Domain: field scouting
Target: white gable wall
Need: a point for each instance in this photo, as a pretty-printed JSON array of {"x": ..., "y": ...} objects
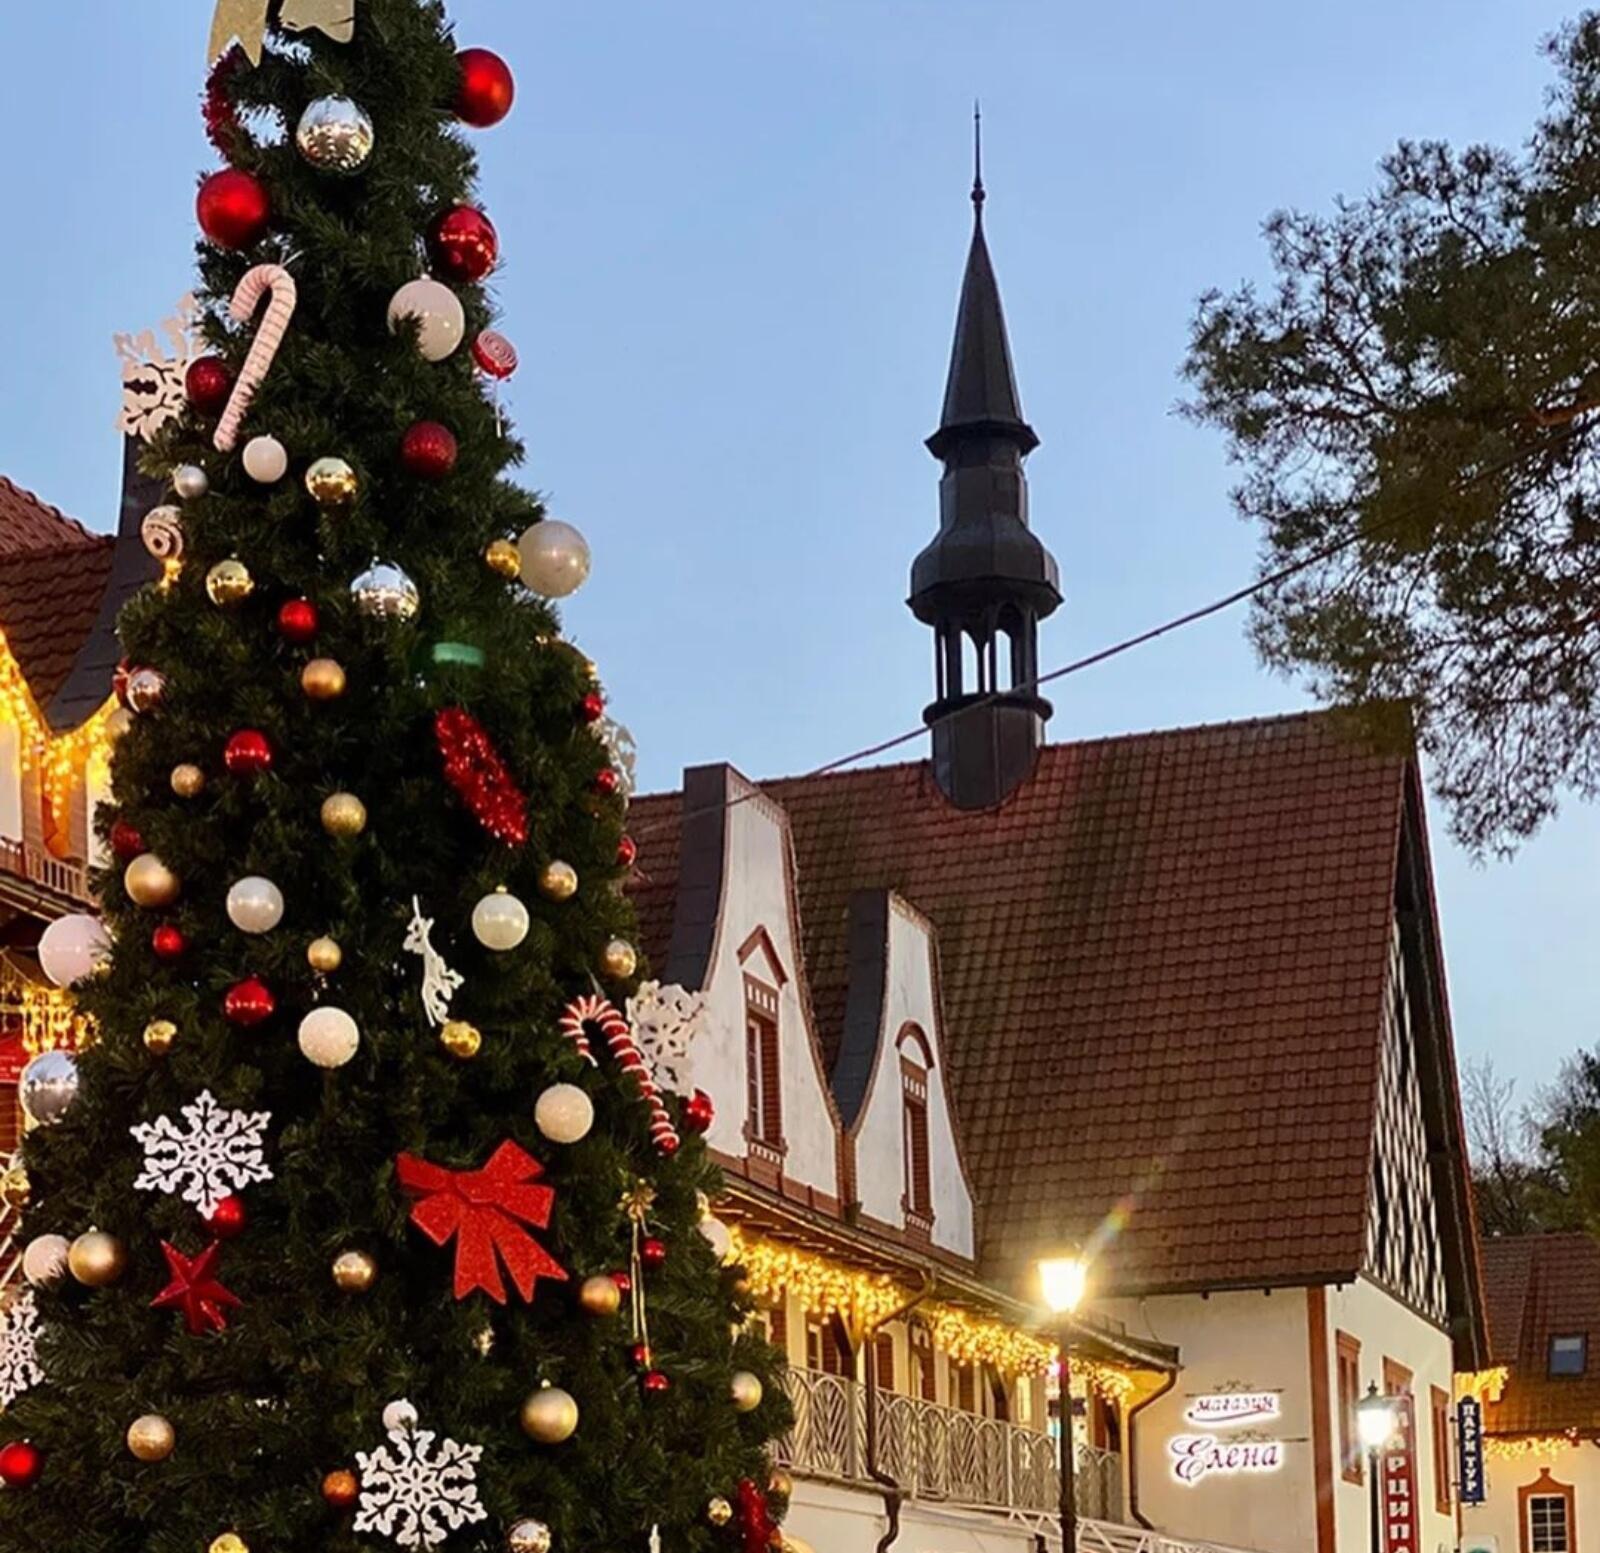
[{"x": 910, "y": 998}]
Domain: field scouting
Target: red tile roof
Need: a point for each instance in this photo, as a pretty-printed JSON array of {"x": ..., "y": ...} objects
[
  {"x": 1539, "y": 1287},
  {"x": 1163, "y": 964},
  {"x": 27, "y": 524}
]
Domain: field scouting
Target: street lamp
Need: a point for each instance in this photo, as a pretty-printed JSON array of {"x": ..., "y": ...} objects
[
  {"x": 1062, "y": 1279},
  {"x": 1376, "y": 1421}
]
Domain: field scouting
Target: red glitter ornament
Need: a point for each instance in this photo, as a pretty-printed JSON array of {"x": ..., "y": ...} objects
[
  {"x": 428, "y": 451},
  {"x": 298, "y": 621},
  {"x": 627, "y": 852},
  {"x": 656, "y": 1384},
  {"x": 699, "y": 1112},
  {"x": 606, "y": 781},
  {"x": 474, "y": 769},
  {"x": 126, "y": 842},
  {"x": 487, "y": 88},
  {"x": 222, "y": 123},
  {"x": 21, "y": 1464},
  {"x": 593, "y": 707},
  {"x": 229, "y": 1220},
  {"x": 624, "y": 1282},
  {"x": 249, "y": 1003},
  {"x": 653, "y": 1253},
  {"x": 167, "y": 943},
  {"x": 464, "y": 244},
  {"x": 756, "y": 1528},
  {"x": 247, "y": 753},
  {"x": 233, "y": 208},
  {"x": 195, "y": 1291},
  {"x": 208, "y": 384}
]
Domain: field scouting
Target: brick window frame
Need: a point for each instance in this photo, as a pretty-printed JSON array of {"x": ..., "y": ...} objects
[
  {"x": 1537, "y": 1516},
  {"x": 1352, "y": 1462},
  {"x": 763, "y": 1125},
  {"x": 1439, "y": 1410}
]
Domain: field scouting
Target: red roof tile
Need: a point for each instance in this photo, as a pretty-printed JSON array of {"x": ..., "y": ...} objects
[
  {"x": 1539, "y": 1287},
  {"x": 1163, "y": 965},
  {"x": 28, "y": 524}
]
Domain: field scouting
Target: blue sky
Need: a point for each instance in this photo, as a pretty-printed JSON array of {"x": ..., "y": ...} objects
[{"x": 734, "y": 235}]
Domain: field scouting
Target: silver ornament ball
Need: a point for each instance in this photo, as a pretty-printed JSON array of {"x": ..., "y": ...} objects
[
  {"x": 335, "y": 135},
  {"x": 190, "y": 482},
  {"x": 529, "y": 1537},
  {"x": 384, "y": 592},
  {"x": 255, "y": 905},
  {"x": 48, "y": 1087},
  {"x": 146, "y": 687},
  {"x": 555, "y": 559}
]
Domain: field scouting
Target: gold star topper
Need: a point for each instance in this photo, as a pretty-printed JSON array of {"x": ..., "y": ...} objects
[
  {"x": 246, "y": 20},
  {"x": 638, "y": 1200}
]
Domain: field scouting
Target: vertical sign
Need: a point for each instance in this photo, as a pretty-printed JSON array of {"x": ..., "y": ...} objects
[
  {"x": 1469, "y": 1450},
  {"x": 1401, "y": 1530}
]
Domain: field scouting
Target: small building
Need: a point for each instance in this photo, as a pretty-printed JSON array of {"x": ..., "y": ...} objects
[{"x": 1541, "y": 1399}]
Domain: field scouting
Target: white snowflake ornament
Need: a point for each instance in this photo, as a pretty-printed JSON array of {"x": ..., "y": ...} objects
[
  {"x": 623, "y": 752},
  {"x": 19, "y": 1349},
  {"x": 417, "y": 1489},
  {"x": 665, "y": 1022},
  {"x": 219, "y": 1154}
]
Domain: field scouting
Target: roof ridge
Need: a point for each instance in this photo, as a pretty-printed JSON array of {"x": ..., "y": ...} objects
[{"x": 77, "y": 535}]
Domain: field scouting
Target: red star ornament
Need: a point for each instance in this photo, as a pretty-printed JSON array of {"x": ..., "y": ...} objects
[{"x": 195, "y": 1291}]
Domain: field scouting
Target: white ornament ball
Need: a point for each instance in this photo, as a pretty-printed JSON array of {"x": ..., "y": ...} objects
[
  {"x": 399, "y": 1417},
  {"x": 438, "y": 310},
  {"x": 564, "y": 1114},
  {"x": 266, "y": 460},
  {"x": 555, "y": 559},
  {"x": 500, "y": 921},
  {"x": 190, "y": 482},
  {"x": 74, "y": 947},
  {"x": 44, "y": 1263},
  {"x": 329, "y": 1037},
  {"x": 746, "y": 1391},
  {"x": 719, "y": 1237},
  {"x": 255, "y": 905}
]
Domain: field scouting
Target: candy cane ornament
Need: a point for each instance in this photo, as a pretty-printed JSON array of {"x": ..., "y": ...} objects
[
  {"x": 599, "y": 1014},
  {"x": 257, "y": 283}
]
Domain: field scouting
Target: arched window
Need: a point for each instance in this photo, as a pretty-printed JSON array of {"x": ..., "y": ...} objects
[{"x": 915, "y": 1061}]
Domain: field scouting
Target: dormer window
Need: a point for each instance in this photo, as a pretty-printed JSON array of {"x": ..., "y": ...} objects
[
  {"x": 1569, "y": 1354},
  {"x": 917, "y": 1199},
  {"x": 763, "y": 1072}
]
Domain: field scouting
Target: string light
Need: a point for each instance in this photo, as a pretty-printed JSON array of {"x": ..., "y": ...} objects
[
  {"x": 57, "y": 758},
  {"x": 48, "y": 1018},
  {"x": 1523, "y": 1446},
  {"x": 1484, "y": 1385},
  {"x": 975, "y": 1340}
]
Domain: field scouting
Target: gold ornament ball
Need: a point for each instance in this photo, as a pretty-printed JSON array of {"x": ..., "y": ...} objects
[
  {"x": 324, "y": 956},
  {"x": 620, "y": 959},
  {"x": 151, "y": 1438},
  {"x": 344, "y": 815},
  {"x": 15, "y": 1189},
  {"x": 97, "y": 1260},
  {"x": 149, "y": 882},
  {"x": 780, "y": 1485},
  {"x": 550, "y": 1416},
  {"x": 504, "y": 557},
  {"x": 719, "y": 1512},
  {"x": 600, "y": 1296},
  {"x": 746, "y": 1391},
  {"x": 332, "y": 483},
  {"x": 230, "y": 1542},
  {"x": 188, "y": 781},
  {"x": 529, "y": 1537},
  {"x": 323, "y": 680},
  {"x": 229, "y": 582},
  {"x": 355, "y": 1272},
  {"x": 159, "y": 1035},
  {"x": 558, "y": 881},
  {"x": 461, "y": 1040}
]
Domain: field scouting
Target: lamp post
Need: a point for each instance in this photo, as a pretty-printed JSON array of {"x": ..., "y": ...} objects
[
  {"x": 1375, "y": 1423},
  {"x": 1062, "y": 1280}
]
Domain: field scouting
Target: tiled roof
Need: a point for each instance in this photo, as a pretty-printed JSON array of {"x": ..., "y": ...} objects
[
  {"x": 1162, "y": 962},
  {"x": 1539, "y": 1287},
  {"x": 28, "y": 524}
]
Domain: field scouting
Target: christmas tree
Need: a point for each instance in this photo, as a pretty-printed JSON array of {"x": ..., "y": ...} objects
[{"x": 373, "y": 1217}]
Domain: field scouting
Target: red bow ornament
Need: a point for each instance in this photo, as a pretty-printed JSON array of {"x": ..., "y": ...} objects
[{"x": 483, "y": 1211}]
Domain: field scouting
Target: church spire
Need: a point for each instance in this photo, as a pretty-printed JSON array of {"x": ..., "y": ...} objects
[{"x": 986, "y": 580}]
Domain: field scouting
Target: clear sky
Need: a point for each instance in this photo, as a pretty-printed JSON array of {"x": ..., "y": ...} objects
[{"x": 734, "y": 235}]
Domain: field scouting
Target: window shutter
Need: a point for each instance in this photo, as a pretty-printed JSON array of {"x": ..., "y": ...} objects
[
  {"x": 921, "y": 1178},
  {"x": 752, "y": 1074},
  {"x": 966, "y": 1390},
  {"x": 883, "y": 1360},
  {"x": 771, "y": 1095},
  {"x": 832, "y": 1354}
]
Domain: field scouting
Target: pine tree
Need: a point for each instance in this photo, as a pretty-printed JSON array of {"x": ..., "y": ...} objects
[{"x": 309, "y": 1271}]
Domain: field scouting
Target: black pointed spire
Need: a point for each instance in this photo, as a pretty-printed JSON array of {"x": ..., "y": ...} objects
[{"x": 986, "y": 579}]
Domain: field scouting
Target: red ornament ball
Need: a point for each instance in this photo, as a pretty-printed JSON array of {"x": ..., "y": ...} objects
[
  {"x": 247, "y": 753},
  {"x": 341, "y": 1490},
  {"x": 594, "y": 707},
  {"x": 464, "y": 244},
  {"x": 623, "y": 1282},
  {"x": 298, "y": 621},
  {"x": 428, "y": 451},
  {"x": 656, "y": 1384},
  {"x": 606, "y": 781},
  {"x": 167, "y": 943},
  {"x": 641, "y": 1356},
  {"x": 21, "y": 1464},
  {"x": 249, "y": 1003},
  {"x": 653, "y": 1253},
  {"x": 669, "y": 1145},
  {"x": 208, "y": 384},
  {"x": 487, "y": 88},
  {"x": 233, "y": 208},
  {"x": 699, "y": 1112},
  {"x": 126, "y": 842},
  {"x": 627, "y": 852},
  {"x": 230, "y": 1219}
]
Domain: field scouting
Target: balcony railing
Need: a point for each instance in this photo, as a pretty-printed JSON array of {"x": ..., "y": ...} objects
[
  {"x": 61, "y": 876},
  {"x": 939, "y": 1453}
]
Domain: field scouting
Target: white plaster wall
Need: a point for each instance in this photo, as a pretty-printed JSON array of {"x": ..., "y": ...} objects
[
  {"x": 1386, "y": 1329},
  {"x": 1577, "y": 1466},
  {"x": 756, "y": 895},
  {"x": 1233, "y": 1340},
  {"x": 10, "y": 780},
  {"x": 880, "y": 1142},
  {"x": 834, "y": 1519}
]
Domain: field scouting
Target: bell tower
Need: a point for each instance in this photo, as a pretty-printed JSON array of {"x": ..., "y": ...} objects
[{"x": 986, "y": 580}]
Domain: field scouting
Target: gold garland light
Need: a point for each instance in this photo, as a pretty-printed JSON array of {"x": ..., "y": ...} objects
[
  {"x": 972, "y": 1339},
  {"x": 1483, "y": 1385},
  {"x": 50, "y": 1020},
  {"x": 58, "y": 758},
  {"x": 1520, "y": 1447}
]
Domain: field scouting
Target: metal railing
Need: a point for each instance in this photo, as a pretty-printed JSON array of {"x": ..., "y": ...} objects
[
  {"x": 1100, "y": 1537},
  {"x": 61, "y": 876},
  {"x": 939, "y": 1453}
]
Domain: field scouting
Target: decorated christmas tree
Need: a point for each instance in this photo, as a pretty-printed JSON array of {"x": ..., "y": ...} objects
[{"x": 375, "y": 1215}]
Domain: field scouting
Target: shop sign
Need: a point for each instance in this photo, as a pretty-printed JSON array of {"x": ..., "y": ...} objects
[
  {"x": 1469, "y": 1450},
  {"x": 1402, "y": 1530},
  {"x": 1232, "y": 1407},
  {"x": 1198, "y": 1456}
]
